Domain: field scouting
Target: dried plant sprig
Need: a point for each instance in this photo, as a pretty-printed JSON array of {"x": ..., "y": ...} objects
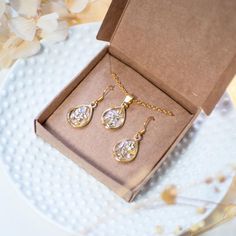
[{"x": 170, "y": 196}]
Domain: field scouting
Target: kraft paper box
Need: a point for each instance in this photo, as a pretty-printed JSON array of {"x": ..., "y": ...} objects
[{"x": 180, "y": 55}]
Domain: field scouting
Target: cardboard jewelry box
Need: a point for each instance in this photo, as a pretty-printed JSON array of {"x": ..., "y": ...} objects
[{"x": 179, "y": 55}]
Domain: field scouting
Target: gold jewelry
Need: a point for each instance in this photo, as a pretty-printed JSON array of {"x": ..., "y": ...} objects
[
  {"x": 114, "y": 117},
  {"x": 81, "y": 115},
  {"x": 126, "y": 150}
]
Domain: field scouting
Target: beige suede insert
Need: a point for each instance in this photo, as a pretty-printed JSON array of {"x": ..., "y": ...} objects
[{"x": 94, "y": 143}]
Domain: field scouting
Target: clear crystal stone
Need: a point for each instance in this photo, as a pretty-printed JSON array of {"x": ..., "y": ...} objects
[
  {"x": 125, "y": 150},
  {"x": 80, "y": 116},
  {"x": 81, "y": 113},
  {"x": 113, "y": 117}
]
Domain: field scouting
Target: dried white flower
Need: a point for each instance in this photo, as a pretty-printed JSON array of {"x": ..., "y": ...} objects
[
  {"x": 23, "y": 28},
  {"x": 48, "y": 23},
  {"x": 4, "y": 29},
  {"x": 76, "y": 6},
  {"x": 15, "y": 48},
  {"x": 27, "y": 8},
  {"x": 58, "y": 35},
  {"x": 23, "y": 23},
  {"x": 56, "y": 6},
  {"x": 2, "y": 8},
  {"x": 26, "y": 49}
]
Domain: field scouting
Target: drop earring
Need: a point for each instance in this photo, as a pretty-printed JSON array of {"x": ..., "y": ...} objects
[
  {"x": 81, "y": 115},
  {"x": 126, "y": 150}
]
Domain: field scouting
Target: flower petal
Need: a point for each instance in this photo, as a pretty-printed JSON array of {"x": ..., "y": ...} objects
[
  {"x": 4, "y": 29},
  {"x": 23, "y": 28},
  {"x": 76, "y": 6},
  {"x": 2, "y": 7},
  {"x": 26, "y": 8},
  {"x": 6, "y": 59},
  {"x": 95, "y": 11},
  {"x": 27, "y": 49},
  {"x": 48, "y": 22},
  {"x": 12, "y": 42},
  {"x": 56, "y": 6},
  {"x": 59, "y": 34}
]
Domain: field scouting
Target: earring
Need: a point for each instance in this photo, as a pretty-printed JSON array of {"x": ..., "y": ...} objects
[
  {"x": 81, "y": 115},
  {"x": 126, "y": 150}
]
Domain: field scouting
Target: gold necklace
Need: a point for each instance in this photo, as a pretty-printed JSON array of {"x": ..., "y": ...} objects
[
  {"x": 138, "y": 101},
  {"x": 114, "y": 117}
]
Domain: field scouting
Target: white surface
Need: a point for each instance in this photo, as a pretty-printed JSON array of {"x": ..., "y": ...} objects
[
  {"x": 17, "y": 218},
  {"x": 3, "y": 75},
  {"x": 227, "y": 229},
  {"x": 65, "y": 192}
]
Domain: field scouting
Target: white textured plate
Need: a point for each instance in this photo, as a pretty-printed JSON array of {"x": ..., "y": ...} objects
[{"x": 66, "y": 193}]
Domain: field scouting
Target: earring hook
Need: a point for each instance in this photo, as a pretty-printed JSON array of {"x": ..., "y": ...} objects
[
  {"x": 140, "y": 134},
  {"x": 105, "y": 92},
  {"x": 146, "y": 123}
]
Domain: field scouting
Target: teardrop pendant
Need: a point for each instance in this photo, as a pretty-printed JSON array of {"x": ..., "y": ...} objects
[
  {"x": 114, "y": 118},
  {"x": 126, "y": 150},
  {"x": 80, "y": 116}
]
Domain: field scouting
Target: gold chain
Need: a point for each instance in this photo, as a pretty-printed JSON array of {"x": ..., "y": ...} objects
[{"x": 115, "y": 77}]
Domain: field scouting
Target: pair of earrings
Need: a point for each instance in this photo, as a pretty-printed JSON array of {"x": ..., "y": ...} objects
[{"x": 125, "y": 150}]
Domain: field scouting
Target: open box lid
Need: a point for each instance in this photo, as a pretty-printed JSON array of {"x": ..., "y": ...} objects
[{"x": 187, "y": 48}]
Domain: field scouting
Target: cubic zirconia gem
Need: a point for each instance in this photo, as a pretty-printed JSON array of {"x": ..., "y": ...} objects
[
  {"x": 114, "y": 117},
  {"x": 126, "y": 150},
  {"x": 80, "y": 116}
]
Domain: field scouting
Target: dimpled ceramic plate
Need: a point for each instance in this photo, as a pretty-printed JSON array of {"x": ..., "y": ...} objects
[{"x": 69, "y": 196}]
